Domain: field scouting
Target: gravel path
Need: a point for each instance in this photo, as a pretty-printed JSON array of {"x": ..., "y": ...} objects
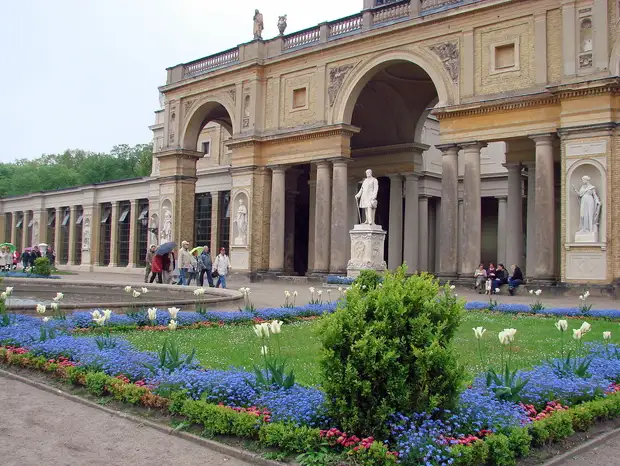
[
  {"x": 605, "y": 454},
  {"x": 40, "y": 428}
]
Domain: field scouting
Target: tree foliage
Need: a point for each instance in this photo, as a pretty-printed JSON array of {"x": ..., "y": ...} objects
[{"x": 74, "y": 168}]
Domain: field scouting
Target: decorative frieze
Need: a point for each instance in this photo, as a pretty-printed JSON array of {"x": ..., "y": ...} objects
[
  {"x": 336, "y": 78},
  {"x": 448, "y": 53}
]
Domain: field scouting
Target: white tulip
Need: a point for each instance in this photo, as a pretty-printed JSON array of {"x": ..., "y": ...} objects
[
  {"x": 40, "y": 308},
  {"x": 586, "y": 294},
  {"x": 452, "y": 287},
  {"x": 266, "y": 329},
  {"x": 54, "y": 306},
  {"x": 606, "y": 335},
  {"x": 295, "y": 293},
  {"x": 173, "y": 312},
  {"x": 9, "y": 290},
  {"x": 95, "y": 314},
  {"x": 100, "y": 320},
  {"x": 503, "y": 338},
  {"x": 531, "y": 291},
  {"x": 58, "y": 297},
  {"x": 538, "y": 292},
  {"x": 3, "y": 295},
  {"x": 510, "y": 333},
  {"x": 136, "y": 294},
  {"x": 258, "y": 330},
  {"x": 577, "y": 334},
  {"x": 311, "y": 289},
  {"x": 287, "y": 294},
  {"x": 128, "y": 289},
  {"x": 264, "y": 350},
  {"x": 320, "y": 292},
  {"x": 561, "y": 325},
  {"x": 581, "y": 297},
  {"x": 145, "y": 290},
  {"x": 247, "y": 290},
  {"x": 46, "y": 319},
  {"x": 479, "y": 331},
  {"x": 497, "y": 290},
  {"x": 276, "y": 326},
  {"x": 152, "y": 313},
  {"x": 340, "y": 289},
  {"x": 585, "y": 328},
  {"x": 172, "y": 325},
  {"x": 107, "y": 313},
  {"x": 199, "y": 291}
]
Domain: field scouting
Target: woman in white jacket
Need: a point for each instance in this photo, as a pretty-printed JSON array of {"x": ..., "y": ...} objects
[
  {"x": 6, "y": 259},
  {"x": 222, "y": 267}
]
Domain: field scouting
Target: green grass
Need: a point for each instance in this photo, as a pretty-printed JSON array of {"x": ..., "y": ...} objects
[{"x": 220, "y": 348}]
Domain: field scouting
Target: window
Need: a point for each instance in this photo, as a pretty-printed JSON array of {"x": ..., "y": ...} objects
[
  {"x": 105, "y": 235},
  {"x": 63, "y": 254},
  {"x": 65, "y": 220},
  {"x": 224, "y": 221},
  {"x": 30, "y": 223},
  {"x": 19, "y": 222},
  {"x": 124, "y": 225},
  {"x": 203, "y": 208},
  {"x": 8, "y": 221},
  {"x": 123, "y": 216},
  {"x": 51, "y": 215},
  {"x": 300, "y": 98},
  {"x": 51, "y": 228},
  {"x": 504, "y": 57},
  {"x": 143, "y": 231},
  {"x": 206, "y": 146},
  {"x": 77, "y": 252}
]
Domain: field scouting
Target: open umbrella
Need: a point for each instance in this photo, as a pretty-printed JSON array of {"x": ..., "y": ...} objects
[
  {"x": 197, "y": 248},
  {"x": 10, "y": 246},
  {"x": 165, "y": 248}
]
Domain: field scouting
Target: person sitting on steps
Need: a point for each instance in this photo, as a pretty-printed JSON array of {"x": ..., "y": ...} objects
[
  {"x": 515, "y": 280},
  {"x": 501, "y": 277},
  {"x": 480, "y": 275}
]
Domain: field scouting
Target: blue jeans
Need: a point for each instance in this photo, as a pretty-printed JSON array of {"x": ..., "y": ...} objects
[
  {"x": 514, "y": 283},
  {"x": 221, "y": 280},
  {"x": 183, "y": 276},
  {"x": 496, "y": 284}
]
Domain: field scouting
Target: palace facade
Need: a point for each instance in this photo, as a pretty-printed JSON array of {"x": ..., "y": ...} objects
[{"x": 477, "y": 117}]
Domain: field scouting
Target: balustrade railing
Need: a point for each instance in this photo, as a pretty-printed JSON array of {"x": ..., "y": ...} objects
[
  {"x": 208, "y": 63},
  {"x": 345, "y": 25},
  {"x": 391, "y": 12},
  {"x": 298, "y": 39},
  {"x": 432, "y": 4}
]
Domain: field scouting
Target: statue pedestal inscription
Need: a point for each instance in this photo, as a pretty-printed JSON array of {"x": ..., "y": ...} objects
[{"x": 367, "y": 246}]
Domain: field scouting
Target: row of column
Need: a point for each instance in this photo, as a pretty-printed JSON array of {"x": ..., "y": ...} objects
[{"x": 541, "y": 212}]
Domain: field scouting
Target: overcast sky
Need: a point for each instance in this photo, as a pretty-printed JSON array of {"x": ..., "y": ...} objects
[{"x": 84, "y": 73}]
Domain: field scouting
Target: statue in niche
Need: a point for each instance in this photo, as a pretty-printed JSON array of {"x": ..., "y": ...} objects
[
  {"x": 258, "y": 25},
  {"x": 241, "y": 220},
  {"x": 86, "y": 235},
  {"x": 589, "y": 211},
  {"x": 367, "y": 198},
  {"x": 166, "y": 230}
]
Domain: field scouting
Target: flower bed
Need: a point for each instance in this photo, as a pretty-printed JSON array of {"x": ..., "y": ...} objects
[
  {"x": 554, "y": 311},
  {"x": 15, "y": 274},
  {"x": 339, "y": 280}
]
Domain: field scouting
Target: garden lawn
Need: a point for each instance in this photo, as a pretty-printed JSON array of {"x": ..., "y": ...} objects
[{"x": 223, "y": 347}]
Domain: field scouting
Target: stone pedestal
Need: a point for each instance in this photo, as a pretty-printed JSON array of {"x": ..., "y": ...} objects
[
  {"x": 367, "y": 246},
  {"x": 586, "y": 237}
]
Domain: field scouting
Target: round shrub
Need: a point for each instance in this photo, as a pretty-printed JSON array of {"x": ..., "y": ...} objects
[
  {"x": 42, "y": 267},
  {"x": 388, "y": 350}
]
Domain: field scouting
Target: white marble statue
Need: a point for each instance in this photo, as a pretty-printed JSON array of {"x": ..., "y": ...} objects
[
  {"x": 166, "y": 231},
  {"x": 367, "y": 197},
  {"x": 242, "y": 223},
  {"x": 258, "y": 25},
  {"x": 589, "y": 211}
]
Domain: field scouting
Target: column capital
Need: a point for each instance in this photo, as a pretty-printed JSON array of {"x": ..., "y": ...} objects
[
  {"x": 411, "y": 176},
  {"x": 472, "y": 146},
  {"x": 321, "y": 163},
  {"x": 133, "y": 202},
  {"x": 340, "y": 161},
  {"x": 543, "y": 139},
  {"x": 280, "y": 169},
  {"x": 501, "y": 198},
  {"x": 424, "y": 196},
  {"x": 393, "y": 176},
  {"x": 447, "y": 148},
  {"x": 512, "y": 166},
  {"x": 72, "y": 208}
]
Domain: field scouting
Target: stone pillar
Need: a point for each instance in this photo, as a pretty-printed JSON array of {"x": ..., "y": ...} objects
[
  {"x": 72, "y": 227},
  {"x": 449, "y": 211},
  {"x": 472, "y": 208},
  {"x": 395, "y": 228},
  {"x": 13, "y": 238},
  {"x": 423, "y": 233},
  {"x": 544, "y": 209},
  {"x": 58, "y": 233},
  {"x": 322, "y": 217},
  {"x": 502, "y": 237},
  {"x": 215, "y": 210},
  {"x": 437, "y": 230},
  {"x": 530, "y": 234},
  {"x": 514, "y": 216},
  {"x": 92, "y": 225},
  {"x": 289, "y": 228},
  {"x": 25, "y": 239},
  {"x": 114, "y": 235},
  {"x": 133, "y": 235},
  {"x": 277, "y": 219},
  {"x": 339, "y": 222},
  {"x": 410, "y": 243},
  {"x": 460, "y": 237},
  {"x": 311, "y": 221},
  {"x": 353, "y": 212}
]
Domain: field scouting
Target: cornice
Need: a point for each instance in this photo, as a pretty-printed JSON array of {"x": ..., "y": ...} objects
[{"x": 293, "y": 136}]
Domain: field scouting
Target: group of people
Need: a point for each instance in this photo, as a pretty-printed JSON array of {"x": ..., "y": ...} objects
[
  {"x": 192, "y": 266},
  {"x": 489, "y": 279},
  {"x": 10, "y": 260}
]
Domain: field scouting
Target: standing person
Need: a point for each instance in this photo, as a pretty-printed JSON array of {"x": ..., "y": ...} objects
[
  {"x": 193, "y": 268},
  {"x": 4, "y": 258},
  {"x": 222, "y": 267},
  {"x": 52, "y": 255},
  {"x": 157, "y": 268},
  {"x": 206, "y": 267},
  {"x": 34, "y": 255},
  {"x": 16, "y": 259},
  {"x": 515, "y": 280},
  {"x": 25, "y": 259},
  {"x": 166, "y": 264},
  {"x": 150, "y": 255},
  {"x": 185, "y": 262}
]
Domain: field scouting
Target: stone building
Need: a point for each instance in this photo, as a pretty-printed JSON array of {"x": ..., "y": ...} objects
[{"x": 477, "y": 116}]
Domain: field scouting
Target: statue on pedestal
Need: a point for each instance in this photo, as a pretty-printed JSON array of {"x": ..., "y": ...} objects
[
  {"x": 589, "y": 212},
  {"x": 166, "y": 231},
  {"x": 367, "y": 197},
  {"x": 258, "y": 25},
  {"x": 242, "y": 224}
]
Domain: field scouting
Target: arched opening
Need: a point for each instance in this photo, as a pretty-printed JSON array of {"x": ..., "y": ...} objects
[{"x": 208, "y": 112}]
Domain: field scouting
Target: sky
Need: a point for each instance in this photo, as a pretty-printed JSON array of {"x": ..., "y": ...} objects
[{"x": 83, "y": 74}]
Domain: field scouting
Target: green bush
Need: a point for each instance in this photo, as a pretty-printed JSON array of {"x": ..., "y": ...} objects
[
  {"x": 520, "y": 440},
  {"x": 367, "y": 281},
  {"x": 96, "y": 382},
  {"x": 556, "y": 427},
  {"x": 388, "y": 349},
  {"x": 500, "y": 453},
  {"x": 220, "y": 420},
  {"x": 42, "y": 266},
  {"x": 468, "y": 455},
  {"x": 288, "y": 437}
]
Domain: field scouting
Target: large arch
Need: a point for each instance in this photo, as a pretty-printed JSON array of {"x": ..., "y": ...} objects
[
  {"x": 355, "y": 83},
  {"x": 206, "y": 110}
]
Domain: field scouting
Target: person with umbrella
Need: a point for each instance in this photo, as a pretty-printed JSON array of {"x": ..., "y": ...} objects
[
  {"x": 157, "y": 268},
  {"x": 5, "y": 258}
]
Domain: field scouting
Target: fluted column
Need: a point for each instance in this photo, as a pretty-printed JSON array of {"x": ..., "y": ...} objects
[
  {"x": 277, "y": 219},
  {"x": 514, "y": 216},
  {"x": 530, "y": 234},
  {"x": 72, "y": 227},
  {"x": 545, "y": 209},
  {"x": 133, "y": 234},
  {"x": 114, "y": 235},
  {"x": 322, "y": 217},
  {"x": 502, "y": 237},
  {"x": 410, "y": 242},
  {"x": 395, "y": 228},
  {"x": 449, "y": 210},
  {"x": 423, "y": 233},
  {"x": 339, "y": 222},
  {"x": 472, "y": 207},
  {"x": 311, "y": 223},
  {"x": 58, "y": 234}
]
